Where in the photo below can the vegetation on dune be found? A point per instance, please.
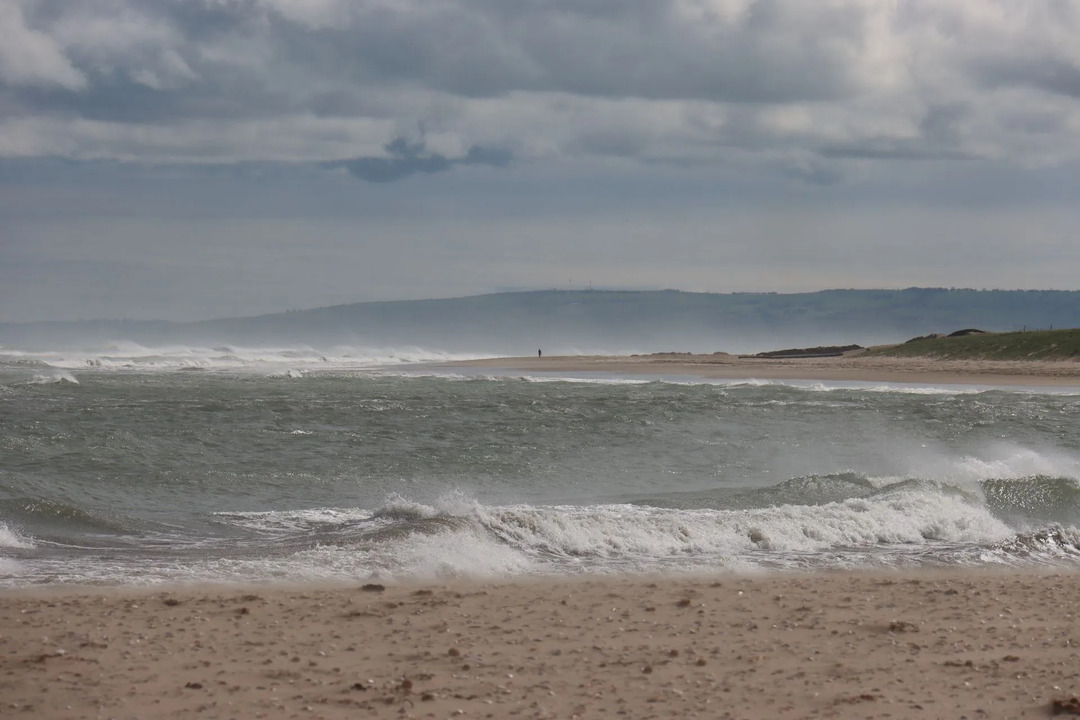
(821, 351)
(1033, 345)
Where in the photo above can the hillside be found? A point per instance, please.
(601, 321)
(1034, 345)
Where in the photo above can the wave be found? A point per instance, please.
(1021, 501)
(903, 518)
(1034, 501)
(35, 512)
(604, 377)
(54, 379)
(901, 524)
(39, 523)
(808, 514)
(1048, 543)
(897, 388)
(11, 539)
(288, 360)
(17, 359)
(906, 521)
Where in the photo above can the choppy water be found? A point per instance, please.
(137, 473)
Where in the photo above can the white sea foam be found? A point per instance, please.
(54, 379)
(621, 537)
(294, 520)
(11, 539)
(601, 377)
(1012, 463)
(908, 518)
(583, 379)
(909, 514)
(458, 537)
(455, 554)
(459, 553)
(289, 361)
(997, 461)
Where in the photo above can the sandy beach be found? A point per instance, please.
(957, 643)
(721, 366)
(975, 645)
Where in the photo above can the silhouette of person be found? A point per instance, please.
(539, 353)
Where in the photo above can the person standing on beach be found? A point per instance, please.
(540, 353)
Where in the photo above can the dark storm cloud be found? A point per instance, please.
(406, 158)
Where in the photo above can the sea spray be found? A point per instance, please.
(11, 539)
(129, 357)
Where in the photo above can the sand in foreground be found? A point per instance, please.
(852, 367)
(785, 646)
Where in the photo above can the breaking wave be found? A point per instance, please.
(291, 361)
(907, 522)
(11, 539)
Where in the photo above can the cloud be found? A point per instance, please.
(411, 158)
(681, 81)
(31, 58)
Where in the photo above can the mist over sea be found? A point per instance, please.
(145, 465)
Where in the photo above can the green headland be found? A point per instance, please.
(1029, 345)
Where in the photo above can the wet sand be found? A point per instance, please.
(901, 644)
(854, 367)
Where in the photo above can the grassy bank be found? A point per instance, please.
(1033, 345)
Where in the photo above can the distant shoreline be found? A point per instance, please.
(851, 367)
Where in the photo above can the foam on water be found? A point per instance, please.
(994, 460)
(457, 553)
(915, 523)
(293, 521)
(600, 377)
(453, 554)
(500, 539)
(459, 536)
(11, 539)
(904, 518)
(54, 379)
(291, 361)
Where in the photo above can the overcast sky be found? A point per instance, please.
(184, 159)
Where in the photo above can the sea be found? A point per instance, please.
(128, 465)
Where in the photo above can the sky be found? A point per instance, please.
(189, 159)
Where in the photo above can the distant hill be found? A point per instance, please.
(1035, 345)
(603, 321)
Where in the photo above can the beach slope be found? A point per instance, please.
(994, 645)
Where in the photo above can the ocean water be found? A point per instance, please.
(139, 466)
